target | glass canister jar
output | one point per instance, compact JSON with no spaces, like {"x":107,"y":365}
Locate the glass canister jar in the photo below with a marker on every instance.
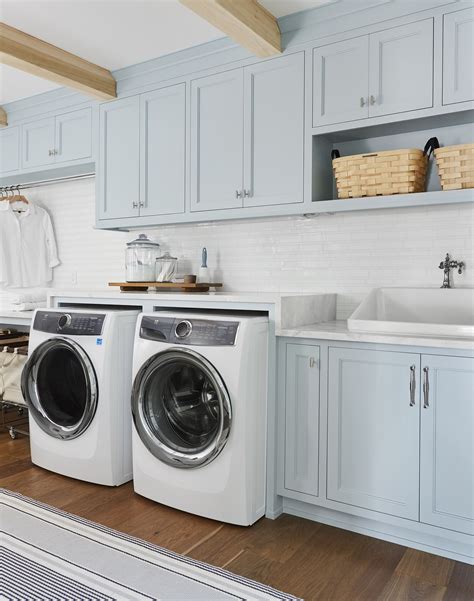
{"x":166,"y":267}
{"x":140,"y":259}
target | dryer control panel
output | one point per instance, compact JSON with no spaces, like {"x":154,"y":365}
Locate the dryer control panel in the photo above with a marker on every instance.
{"x":189,"y":331}
{"x":71,"y":324}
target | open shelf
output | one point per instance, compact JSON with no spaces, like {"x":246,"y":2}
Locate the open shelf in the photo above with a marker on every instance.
{"x":411,"y":134}
{"x":393,"y":201}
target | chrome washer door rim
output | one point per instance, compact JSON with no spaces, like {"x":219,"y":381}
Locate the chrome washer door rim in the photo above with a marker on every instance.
{"x":31,"y":395}
{"x":151,"y":440}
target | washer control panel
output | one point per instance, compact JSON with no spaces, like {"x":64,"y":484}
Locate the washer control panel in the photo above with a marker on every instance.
{"x":196,"y":332}
{"x":70,"y":323}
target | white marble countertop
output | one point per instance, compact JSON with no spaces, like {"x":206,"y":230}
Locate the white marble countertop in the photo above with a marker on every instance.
{"x":15,"y":318}
{"x":338,"y":330}
{"x":288,"y":309}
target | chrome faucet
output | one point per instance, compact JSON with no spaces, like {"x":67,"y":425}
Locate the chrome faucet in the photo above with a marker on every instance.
{"x":447,"y":265}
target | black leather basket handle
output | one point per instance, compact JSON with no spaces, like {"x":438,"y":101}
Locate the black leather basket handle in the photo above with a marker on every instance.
{"x":335,"y":154}
{"x":430,"y":147}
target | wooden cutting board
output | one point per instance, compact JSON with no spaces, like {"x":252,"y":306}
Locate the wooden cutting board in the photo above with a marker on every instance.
{"x":176,"y":286}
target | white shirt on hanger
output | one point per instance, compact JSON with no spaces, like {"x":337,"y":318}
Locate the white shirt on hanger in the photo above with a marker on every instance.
{"x":27,"y":246}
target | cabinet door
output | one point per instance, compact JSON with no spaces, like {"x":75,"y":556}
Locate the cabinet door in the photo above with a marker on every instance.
{"x":9,"y":150}
{"x":163,"y":145}
{"x":341,"y":82}
{"x":73,"y":136}
{"x":458,"y":56}
{"x":401,"y":69}
{"x":217,"y":141}
{"x":274,"y":131}
{"x":38,"y":143}
{"x":447,"y":443}
{"x":119,"y":158}
{"x":373,"y":430}
{"x":302,"y":419}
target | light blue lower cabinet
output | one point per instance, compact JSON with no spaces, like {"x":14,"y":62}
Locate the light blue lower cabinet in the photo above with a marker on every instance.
{"x":373,"y":430}
{"x":447,"y":443}
{"x":301,"y":424}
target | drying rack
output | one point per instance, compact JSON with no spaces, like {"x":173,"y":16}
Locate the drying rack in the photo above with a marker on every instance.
{"x":14,"y":413}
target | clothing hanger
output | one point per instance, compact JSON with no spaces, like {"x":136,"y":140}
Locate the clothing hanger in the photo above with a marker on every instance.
{"x":17,"y":197}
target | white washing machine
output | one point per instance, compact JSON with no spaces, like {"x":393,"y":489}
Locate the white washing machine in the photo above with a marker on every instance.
{"x":77,"y":383}
{"x":199,"y":409}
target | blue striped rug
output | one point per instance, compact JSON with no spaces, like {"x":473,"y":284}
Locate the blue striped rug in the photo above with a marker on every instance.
{"x":47,"y":554}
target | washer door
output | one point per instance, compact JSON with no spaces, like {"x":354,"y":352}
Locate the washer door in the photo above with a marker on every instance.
{"x":181,"y":408}
{"x":60,"y":386}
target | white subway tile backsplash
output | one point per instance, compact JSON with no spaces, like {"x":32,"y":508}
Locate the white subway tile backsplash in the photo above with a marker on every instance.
{"x":345,"y":253}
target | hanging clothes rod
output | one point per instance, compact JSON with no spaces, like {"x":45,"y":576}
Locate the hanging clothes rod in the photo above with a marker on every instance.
{"x":47,"y":182}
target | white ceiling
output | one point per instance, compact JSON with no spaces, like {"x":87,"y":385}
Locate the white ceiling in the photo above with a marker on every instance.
{"x":111,"y":33}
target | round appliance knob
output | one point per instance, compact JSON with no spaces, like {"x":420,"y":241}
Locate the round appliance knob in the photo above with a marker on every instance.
{"x":64,"y":321}
{"x":183,"y":329}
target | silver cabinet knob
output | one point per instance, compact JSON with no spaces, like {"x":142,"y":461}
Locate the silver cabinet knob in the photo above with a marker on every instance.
{"x":238,"y":194}
{"x":363,"y":102}
{"x":373,"y":100}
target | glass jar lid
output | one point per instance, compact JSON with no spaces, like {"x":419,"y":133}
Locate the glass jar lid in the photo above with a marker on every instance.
{"x":143,"y":240}
{"x":167,"y":257}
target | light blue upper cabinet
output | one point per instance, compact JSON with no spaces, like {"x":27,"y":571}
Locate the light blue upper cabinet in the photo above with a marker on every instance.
{"x":274,"y":131}
{"x":119,"y":159}
{"x":447,"y":443}
{"x":217,"y":114}
{"x":9,"y":150}
{"x":38,"y":140}
{"x":301,"y":415}
{"x":373,"y":430}
{"x":341,"y":82}
{"x":401,"y":69}
{"x":458,"y":56}
{"x":73,"y":133}
{"x":163,"y":151}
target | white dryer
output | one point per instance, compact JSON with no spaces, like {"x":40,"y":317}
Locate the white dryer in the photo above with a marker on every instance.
{"x":199,"y":409}
{"x":77,"y":383}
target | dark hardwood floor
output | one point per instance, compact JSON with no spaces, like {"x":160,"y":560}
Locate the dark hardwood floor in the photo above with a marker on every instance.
{"x":311,"y":560}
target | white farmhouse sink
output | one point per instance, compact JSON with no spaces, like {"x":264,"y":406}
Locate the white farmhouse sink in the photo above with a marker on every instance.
{"x":416,"y":311}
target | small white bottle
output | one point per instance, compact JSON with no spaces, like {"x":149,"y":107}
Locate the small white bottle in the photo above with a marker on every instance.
{"x":204,"y":276}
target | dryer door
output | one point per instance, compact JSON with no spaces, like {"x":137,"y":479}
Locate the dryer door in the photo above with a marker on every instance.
{"x":181,"y":408}
{"x":60,"y":386}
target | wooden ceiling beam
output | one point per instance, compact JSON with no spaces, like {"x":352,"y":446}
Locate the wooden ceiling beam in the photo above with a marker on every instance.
{"x":27,"y":53}
{"x":3,"y":117}
{"x":245,"y":21}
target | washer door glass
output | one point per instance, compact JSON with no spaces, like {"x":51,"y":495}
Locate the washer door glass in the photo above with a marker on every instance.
{"x":60,"y":386}
{"x":181,"y":408}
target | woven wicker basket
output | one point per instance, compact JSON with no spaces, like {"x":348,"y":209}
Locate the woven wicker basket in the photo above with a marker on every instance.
{"x":380,"y":173}
{"x":456,"y":166}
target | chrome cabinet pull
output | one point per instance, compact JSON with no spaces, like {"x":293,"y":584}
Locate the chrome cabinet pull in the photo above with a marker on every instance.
{"x":363,"y":102}
{"x":135,"y":205}
{"x":238,"y":194}
{"x":312,"y":361}
{"x":50,"y":153}
{"x":141,"y":204}
{"x":247,"y":194}
{"x":412,"y":385}
{"x":426,"y":387}
{"x":373,"y":100}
